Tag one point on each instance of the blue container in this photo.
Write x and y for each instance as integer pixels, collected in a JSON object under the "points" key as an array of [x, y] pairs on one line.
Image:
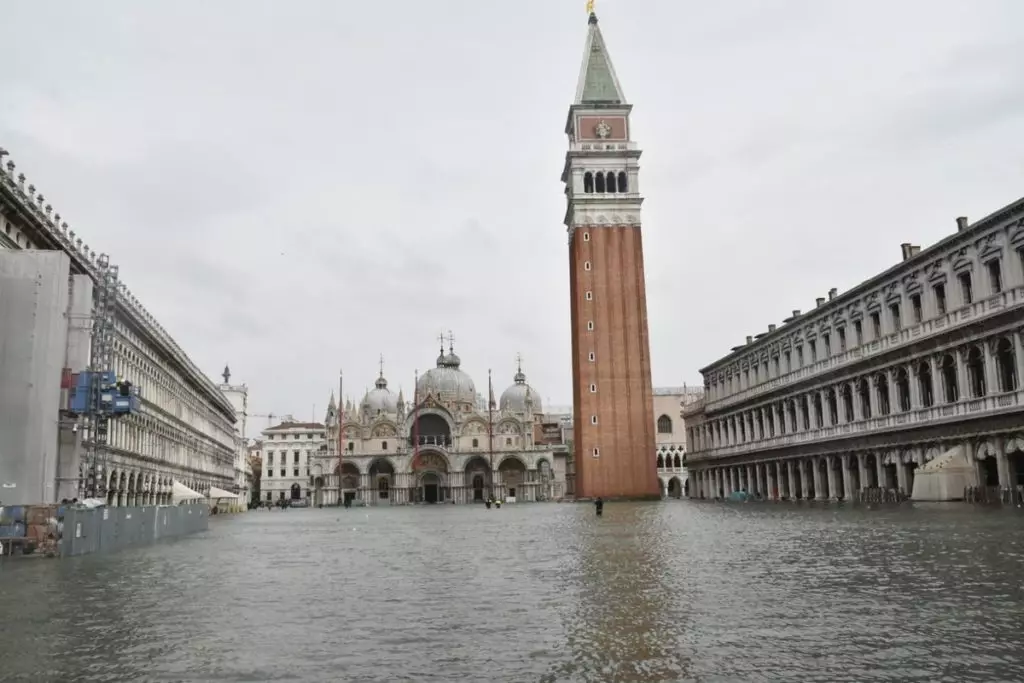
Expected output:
{"points": [[12, 514], [16, 530]]}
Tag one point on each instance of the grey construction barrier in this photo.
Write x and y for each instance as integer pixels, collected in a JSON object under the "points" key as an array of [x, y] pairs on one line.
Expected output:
{"points": [[107, 530]]}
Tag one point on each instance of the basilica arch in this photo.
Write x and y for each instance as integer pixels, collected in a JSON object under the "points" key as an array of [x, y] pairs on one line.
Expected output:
{"points": [[512, 470], [478, 478], [430, 475], [382, 478], [433, 429]]}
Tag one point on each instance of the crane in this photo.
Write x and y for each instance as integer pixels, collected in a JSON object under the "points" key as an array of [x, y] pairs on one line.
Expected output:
{"points": [[270, 417]]}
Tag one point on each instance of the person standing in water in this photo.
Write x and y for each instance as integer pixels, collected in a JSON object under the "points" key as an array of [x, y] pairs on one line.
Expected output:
{"points": [[599, 506]]}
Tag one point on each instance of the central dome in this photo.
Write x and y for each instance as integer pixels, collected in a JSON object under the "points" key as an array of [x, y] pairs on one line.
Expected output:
{"points": [[447, 381]]}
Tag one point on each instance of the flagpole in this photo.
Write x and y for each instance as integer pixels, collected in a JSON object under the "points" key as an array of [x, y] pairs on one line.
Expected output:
{"points": [[415, 426], [490, 428], [341, 428]]}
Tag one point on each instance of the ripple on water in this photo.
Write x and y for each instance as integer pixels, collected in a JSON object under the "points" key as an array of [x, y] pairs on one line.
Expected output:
{"points": [[650, 592]]}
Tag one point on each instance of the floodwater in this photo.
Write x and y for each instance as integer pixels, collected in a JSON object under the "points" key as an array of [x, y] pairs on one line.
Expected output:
{"points": [[673, 591]]}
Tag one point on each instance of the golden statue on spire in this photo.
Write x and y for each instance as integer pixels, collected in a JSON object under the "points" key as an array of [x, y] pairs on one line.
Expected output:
{"points": [[590, 6]]}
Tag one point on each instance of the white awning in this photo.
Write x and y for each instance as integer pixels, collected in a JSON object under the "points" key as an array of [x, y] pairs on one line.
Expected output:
{"points": [[180, 492], [216, 493]]}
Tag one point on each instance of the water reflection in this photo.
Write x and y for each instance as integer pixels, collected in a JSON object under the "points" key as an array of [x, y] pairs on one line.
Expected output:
{"points": [[621, 627], [657, 592]]}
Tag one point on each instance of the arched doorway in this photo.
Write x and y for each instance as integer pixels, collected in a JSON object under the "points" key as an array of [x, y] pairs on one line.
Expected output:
{"points": [[382, 475], [432, 430], [430, 483], [513, 476], [675, 488], [349, 482], [296, 492], [478, 477], [431, 469]]}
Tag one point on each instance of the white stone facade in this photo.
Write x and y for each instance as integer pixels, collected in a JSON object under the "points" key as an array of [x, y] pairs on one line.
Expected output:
{"points": [[289, 449], [186, 429], [238, 396], [450, 448], [872, 383], [670, 436]]}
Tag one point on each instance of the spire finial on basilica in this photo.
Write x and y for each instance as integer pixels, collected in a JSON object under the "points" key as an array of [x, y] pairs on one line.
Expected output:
{"points": [[520, 378], [381, 366], [451, 342], [226, 374]]}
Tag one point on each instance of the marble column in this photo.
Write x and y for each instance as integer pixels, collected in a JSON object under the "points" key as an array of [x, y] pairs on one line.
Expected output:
{"points": [[833, 488], [819, 484], [791, 476], [847, 478]]}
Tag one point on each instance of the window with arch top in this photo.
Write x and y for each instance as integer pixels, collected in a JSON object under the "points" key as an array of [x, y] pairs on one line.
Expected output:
{"points": [[664, 424]]}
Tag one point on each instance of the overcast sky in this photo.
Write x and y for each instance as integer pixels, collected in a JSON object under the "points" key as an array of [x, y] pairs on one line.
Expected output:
{"points": [[295, 187]]}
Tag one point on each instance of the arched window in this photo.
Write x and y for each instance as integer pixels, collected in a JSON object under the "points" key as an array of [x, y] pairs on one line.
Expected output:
{"points": [[661, 461], [676, 462], [610, 183], [623, 182], [976, 371], [882, 386], [1006, 365], [664, 424], [588, 182], [476, 443], [864, 392], [599, 183], [903, 389], [950, 387], [924, 383]]}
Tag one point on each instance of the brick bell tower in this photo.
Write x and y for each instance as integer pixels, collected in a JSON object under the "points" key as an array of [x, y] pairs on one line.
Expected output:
{"points": [[613, 403]]}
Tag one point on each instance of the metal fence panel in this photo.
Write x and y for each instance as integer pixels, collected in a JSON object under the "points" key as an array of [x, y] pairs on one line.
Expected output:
{"points": [[107, 530]]}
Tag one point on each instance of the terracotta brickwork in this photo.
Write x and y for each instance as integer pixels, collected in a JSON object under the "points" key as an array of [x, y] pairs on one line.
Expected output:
{"points": [[608, 294]]}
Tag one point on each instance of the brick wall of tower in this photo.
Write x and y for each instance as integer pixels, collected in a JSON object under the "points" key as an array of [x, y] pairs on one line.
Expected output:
{"points": [[624, 401]]}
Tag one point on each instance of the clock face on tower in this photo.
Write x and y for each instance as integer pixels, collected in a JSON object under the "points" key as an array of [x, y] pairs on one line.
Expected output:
{"points": [[602, 129]]}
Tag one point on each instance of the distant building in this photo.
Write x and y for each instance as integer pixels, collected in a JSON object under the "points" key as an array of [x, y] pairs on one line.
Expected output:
{"points": [[449, 445], [288, 450], [670, 431], [915, 370], [238, 396]]}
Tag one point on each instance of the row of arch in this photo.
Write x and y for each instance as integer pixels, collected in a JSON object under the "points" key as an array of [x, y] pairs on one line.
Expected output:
{"points": [[841, 476], [601, 182], [669, 461], [433, 479], [949, 377], [125, 488]]}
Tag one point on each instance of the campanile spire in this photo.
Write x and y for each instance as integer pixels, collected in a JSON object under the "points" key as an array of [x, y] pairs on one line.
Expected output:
{"points": [[613, 400]]}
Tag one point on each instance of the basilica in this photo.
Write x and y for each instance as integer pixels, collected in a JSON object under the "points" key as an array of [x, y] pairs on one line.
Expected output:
{"points": [[448, 445]]}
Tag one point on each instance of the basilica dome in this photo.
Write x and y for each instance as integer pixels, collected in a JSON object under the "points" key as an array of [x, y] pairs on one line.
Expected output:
{"points": [[379, 400], [447, 382], [514, 398]]}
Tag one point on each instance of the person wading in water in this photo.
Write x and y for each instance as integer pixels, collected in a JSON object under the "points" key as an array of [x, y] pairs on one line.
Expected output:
{"points": [[599, 506]]}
